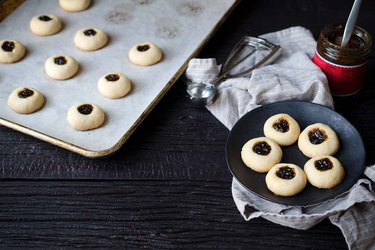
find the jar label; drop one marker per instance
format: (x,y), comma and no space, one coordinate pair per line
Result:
(343,80)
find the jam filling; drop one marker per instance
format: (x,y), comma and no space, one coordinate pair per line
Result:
(60,60)
(89,32)
(281,126)
(317,136)
(143,48)
(112,77)
(323,164)
(286,173)
(262,148)
(45,18)
(25,93)
(8,46)
(85,109)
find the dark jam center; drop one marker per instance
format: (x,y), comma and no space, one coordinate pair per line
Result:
(323,164)
(281,126)
(8,46)
(143,48)
(85,109)
(286,173)
(60,60)
(112,77)
(317,136)
(262,148)
(25,93)
(89,32)
(45,18)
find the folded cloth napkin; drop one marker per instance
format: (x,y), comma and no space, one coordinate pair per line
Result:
(293,76)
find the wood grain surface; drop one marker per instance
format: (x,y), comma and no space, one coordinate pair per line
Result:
(168,186)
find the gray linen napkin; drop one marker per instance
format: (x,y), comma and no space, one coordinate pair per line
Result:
(293,76)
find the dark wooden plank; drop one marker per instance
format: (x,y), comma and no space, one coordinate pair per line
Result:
(141,214)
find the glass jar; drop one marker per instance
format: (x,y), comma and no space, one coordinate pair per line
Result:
(344,66)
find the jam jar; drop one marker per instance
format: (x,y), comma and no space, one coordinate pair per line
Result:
(344,66)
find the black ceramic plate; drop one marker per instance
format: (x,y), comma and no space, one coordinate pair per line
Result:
(351,153)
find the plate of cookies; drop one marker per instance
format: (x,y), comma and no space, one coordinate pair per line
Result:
(295,153)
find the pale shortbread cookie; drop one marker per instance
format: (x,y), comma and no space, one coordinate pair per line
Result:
(74,5)
(11,51)
(286,179)
(318,139)
(261,154)
(282,128)
(114,85)
(45,25)
(85,116)
(25,100)
(61,67)
(324,171)
(90,39)
(145,54)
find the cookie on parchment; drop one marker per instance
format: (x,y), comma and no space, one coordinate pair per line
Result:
(114,85)
(11,51)
(90,39)
(74,5)
(85,116)
(25,100)
(45,25)
(61,67)
(145,54)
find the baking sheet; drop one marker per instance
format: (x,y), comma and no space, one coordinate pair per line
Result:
(178,27)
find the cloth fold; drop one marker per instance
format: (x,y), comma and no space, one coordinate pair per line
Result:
(293,76)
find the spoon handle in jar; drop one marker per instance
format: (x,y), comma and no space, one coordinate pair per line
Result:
(352,19)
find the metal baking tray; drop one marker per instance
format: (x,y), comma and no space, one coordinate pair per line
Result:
(179,27)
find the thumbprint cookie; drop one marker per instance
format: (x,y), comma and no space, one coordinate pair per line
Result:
(25,100)
(261,153)
(11,51)
(85,116)
(324,171)
(145,54)
(286,179)
(318,139)
(282,128)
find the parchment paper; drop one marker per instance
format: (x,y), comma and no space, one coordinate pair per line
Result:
(178,27)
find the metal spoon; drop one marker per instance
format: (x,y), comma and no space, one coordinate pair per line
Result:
(204,93)
(350,23)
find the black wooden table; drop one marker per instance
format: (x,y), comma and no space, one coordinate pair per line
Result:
(168,186)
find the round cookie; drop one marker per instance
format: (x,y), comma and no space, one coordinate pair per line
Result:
(282,128)
(61,67)
(45,25)
(90,39)
(85,116)
(145,54)
(260,154)
(318,139)
(74,5)
(11,51)
(25,100)
(286,179)
(324,171)
(114,85)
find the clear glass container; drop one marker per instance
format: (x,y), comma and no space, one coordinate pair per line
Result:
(344,66)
